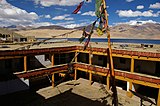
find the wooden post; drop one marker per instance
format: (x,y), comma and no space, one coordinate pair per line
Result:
(76,56)
(111,68)
(75,71)
(129,94)
(108,82)
(25,63)
(52,59)
(53,80)
(108,79)
(90,62)
(90,77)
(75,74)
(158,99)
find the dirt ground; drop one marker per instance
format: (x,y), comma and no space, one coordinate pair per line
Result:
(70,93)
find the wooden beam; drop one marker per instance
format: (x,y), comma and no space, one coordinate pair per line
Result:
(138,82)
(76,56)
(90,78)
(129,94)
(53,80)
(10,57)
(111,66)
(52,59)
(75,74)
(158,99)
(75,71)
(132,65)
(25,63)
(108,83)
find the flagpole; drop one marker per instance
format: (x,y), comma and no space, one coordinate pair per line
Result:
(111,67)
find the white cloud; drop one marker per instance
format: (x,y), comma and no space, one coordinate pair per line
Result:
(47,16)
(48,3)
(140,7)
(130,13)
(91,13)
(136,22)
(62,17)
(129,0)
(40,24)
(72,24)
(11,15)
(61,9)
(69,18)
(155,6)
(75,25)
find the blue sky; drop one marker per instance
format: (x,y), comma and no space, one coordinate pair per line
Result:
(58,12)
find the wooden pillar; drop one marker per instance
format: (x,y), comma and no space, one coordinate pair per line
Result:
(129,94)
(90,77)
(158,99)
(90,62)
(52,59)
(53,80)
(76,56)
(25,63)
(108,83)
(75,74)
(75,71)
(132,65)
(108,78)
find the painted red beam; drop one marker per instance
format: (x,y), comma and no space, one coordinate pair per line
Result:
(129,75)
(36,51)
(124,52)
(71,48)
(41,71)
(133,76)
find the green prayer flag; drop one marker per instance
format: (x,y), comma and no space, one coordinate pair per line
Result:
(98,8)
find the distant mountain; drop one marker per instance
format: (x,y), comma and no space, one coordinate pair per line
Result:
(12,26)
(147,30)
(138,31)
(52,27)
(87,27)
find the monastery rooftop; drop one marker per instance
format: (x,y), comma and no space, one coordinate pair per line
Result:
(116,46)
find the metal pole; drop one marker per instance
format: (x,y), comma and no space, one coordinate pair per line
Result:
(111,67)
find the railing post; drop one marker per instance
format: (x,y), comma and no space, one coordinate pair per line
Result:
(53,80)
(75,71)
(108,78)
(108,82)
(25,63)
(90,62)
(52,59)
(129,94)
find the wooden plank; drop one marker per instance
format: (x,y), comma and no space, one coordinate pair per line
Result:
(25,63)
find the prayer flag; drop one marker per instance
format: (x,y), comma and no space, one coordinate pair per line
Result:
(98,7)
(87,42)
(84,35)
(78,8)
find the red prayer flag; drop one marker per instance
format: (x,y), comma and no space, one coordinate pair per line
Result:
(78,8)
